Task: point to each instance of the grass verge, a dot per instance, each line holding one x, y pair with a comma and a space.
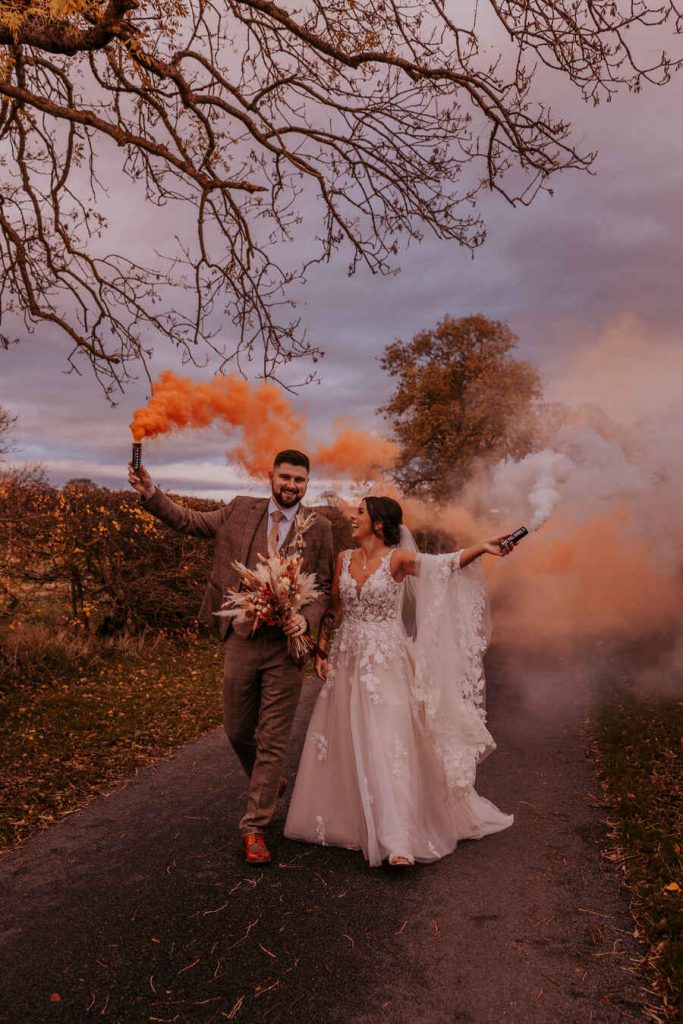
62, 741
638, 748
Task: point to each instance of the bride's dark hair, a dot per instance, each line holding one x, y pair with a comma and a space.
386, 516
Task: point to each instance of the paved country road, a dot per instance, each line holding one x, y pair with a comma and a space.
140, 907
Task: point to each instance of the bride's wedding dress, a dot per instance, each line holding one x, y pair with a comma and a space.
390, 755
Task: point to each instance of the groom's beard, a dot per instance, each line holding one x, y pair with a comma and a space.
288, 499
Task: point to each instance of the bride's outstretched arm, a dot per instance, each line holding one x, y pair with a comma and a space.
405, 563
487, 547
328, 621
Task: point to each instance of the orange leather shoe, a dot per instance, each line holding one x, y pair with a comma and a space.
255, 849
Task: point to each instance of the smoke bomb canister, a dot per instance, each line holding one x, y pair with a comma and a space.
137, 455
514, 538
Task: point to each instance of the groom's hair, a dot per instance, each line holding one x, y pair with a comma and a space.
293, 457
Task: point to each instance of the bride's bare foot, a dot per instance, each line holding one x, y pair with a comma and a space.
401, 860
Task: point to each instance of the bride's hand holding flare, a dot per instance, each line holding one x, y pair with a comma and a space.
487, 547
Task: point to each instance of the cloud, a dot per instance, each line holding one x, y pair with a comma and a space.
560, 273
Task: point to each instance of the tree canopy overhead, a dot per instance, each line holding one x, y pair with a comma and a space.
393, 114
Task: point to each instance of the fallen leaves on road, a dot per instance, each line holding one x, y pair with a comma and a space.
235, 1010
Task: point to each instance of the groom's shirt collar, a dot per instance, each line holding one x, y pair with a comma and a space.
288, 513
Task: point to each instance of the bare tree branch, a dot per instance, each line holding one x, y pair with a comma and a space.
384, 116
7, 425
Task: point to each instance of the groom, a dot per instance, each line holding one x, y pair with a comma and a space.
261, 682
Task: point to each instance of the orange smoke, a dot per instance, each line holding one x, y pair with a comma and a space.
263, 414
570, 581
355, 452
454, 520
267, 421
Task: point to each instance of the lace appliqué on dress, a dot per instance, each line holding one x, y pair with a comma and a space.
366, 791
320, 742
370, 630
400, 755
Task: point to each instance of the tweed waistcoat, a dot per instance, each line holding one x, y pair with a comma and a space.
259, 543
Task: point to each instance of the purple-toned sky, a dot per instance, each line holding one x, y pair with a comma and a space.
589, 279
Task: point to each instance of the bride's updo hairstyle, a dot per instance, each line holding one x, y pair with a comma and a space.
386, 516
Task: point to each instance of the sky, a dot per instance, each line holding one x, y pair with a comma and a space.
586, 278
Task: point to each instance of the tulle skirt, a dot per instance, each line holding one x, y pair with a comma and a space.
368, 779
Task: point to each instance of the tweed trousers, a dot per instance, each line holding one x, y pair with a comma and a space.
261, 687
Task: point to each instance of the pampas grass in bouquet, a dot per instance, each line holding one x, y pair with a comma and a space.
276, 589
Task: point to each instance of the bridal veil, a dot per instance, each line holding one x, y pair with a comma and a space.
444, 615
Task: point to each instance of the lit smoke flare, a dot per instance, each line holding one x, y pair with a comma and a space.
266, 419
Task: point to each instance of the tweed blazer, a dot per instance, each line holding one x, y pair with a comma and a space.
233, 528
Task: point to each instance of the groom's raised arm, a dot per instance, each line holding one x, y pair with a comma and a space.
186, 520
324, 568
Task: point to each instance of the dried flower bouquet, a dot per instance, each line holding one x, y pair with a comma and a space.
275, 590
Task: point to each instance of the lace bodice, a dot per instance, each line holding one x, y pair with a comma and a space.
371, 633
378, 600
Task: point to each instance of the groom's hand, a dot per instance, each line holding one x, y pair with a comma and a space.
141, 481
296, 626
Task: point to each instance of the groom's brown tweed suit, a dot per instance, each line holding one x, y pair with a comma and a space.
261, 683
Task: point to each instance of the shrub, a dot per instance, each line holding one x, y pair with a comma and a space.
121, 567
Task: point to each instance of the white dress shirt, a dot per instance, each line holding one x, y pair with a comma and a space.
288, 515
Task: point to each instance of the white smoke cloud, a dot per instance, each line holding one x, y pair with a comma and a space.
582, 470
531, 485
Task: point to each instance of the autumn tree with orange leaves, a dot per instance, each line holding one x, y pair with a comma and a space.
245, 124
461, 397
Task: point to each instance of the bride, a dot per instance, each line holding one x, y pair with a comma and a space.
390, 756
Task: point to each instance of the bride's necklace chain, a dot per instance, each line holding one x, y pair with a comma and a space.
366, 560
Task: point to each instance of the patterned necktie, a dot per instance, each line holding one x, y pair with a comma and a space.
274, 535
